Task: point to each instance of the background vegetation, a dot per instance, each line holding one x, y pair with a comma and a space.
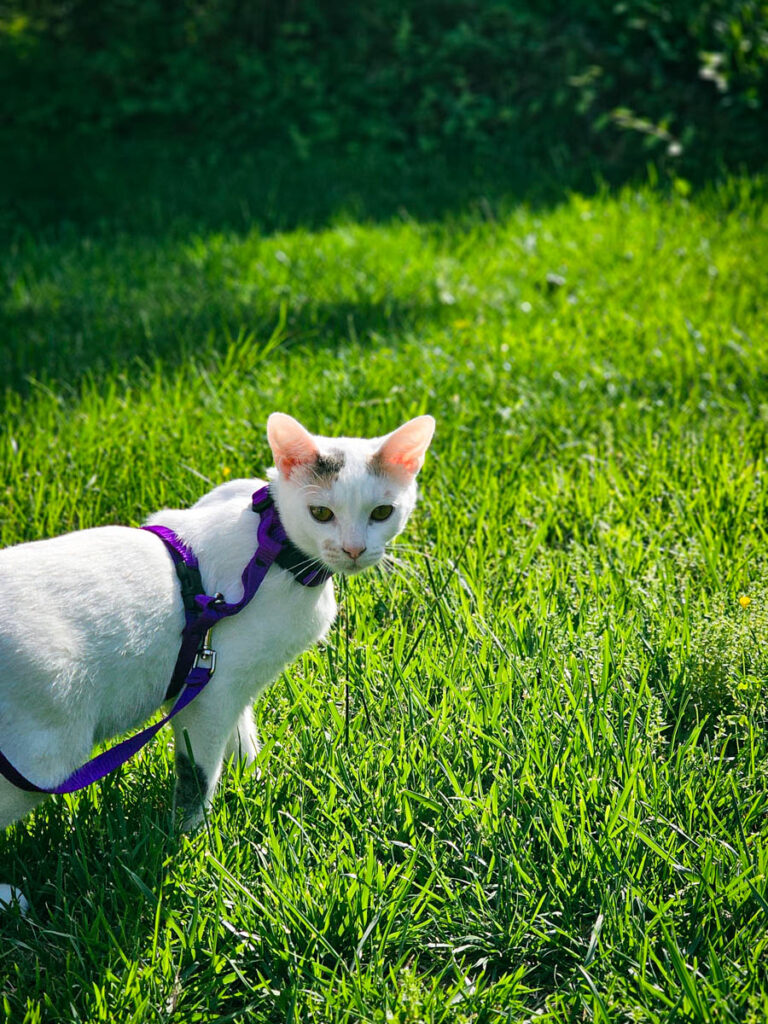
614, 79
525, 779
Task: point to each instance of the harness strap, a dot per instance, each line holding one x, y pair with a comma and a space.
191, 581
108, 760
202, 612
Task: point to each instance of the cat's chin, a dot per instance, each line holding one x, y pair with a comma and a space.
350, 570
353, 568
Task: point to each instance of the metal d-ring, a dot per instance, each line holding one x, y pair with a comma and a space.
205, 653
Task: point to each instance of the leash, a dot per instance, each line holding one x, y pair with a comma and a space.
196, 661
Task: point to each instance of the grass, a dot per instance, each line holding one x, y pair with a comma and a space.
526, 776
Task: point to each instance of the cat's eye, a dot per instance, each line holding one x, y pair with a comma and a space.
321, 513
382, 512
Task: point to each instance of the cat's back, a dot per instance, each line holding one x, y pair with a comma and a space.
103, 575
88, 629
76, 561
80, 590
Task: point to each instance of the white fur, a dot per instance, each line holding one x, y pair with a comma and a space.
90, 622
10, 897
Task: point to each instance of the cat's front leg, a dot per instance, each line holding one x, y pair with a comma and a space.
243, 743
201, 732
194, 789
15, 803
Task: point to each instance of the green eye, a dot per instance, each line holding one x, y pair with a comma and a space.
321, 513
382, 512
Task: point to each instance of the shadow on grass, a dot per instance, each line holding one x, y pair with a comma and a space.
50, 346
109, 848
96, 257
93, 877
101, 879
108, 253
152, 187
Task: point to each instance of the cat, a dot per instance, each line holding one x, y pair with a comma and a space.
90, 621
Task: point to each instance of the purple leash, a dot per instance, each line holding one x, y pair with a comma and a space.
202, 613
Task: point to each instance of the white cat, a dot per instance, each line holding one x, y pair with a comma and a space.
90, 622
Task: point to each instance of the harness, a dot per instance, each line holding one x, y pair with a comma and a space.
196, 661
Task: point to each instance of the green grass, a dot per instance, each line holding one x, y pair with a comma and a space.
526, 776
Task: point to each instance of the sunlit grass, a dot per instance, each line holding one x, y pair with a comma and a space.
527, 773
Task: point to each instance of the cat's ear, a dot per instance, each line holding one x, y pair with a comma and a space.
403, 451
291, 444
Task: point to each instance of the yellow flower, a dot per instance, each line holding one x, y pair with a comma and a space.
462, 324
744, 601
225, 471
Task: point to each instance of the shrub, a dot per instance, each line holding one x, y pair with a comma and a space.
619, 80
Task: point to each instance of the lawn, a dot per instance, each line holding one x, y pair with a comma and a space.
526, 776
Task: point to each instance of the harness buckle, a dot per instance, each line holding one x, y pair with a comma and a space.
205, 653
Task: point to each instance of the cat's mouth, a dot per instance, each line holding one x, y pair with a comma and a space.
352, 566
351, 570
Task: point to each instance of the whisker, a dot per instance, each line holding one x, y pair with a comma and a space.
309, 563
401, 567
409, 553
412, 549
311, 490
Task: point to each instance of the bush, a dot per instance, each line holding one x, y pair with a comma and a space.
619, 80
727, 666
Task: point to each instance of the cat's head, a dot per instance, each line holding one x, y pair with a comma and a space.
342, 499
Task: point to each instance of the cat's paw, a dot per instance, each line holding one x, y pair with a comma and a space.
191, 793
191, 818
10, 898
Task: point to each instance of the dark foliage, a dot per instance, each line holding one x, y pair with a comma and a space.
684, 82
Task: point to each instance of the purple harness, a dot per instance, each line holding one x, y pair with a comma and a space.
196, 662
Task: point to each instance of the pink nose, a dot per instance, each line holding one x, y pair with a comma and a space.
354, 553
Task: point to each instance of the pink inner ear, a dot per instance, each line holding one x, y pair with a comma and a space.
291, 444
400, 460
288, 462
404, 450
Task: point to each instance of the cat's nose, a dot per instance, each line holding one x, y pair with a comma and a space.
354, 553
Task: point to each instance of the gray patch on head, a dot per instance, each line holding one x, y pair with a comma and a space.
191, 785
377, 465
330, 465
